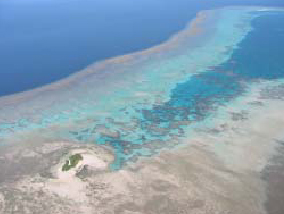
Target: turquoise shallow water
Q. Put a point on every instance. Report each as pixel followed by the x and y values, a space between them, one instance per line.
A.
pixel 258 57
pixel 142 106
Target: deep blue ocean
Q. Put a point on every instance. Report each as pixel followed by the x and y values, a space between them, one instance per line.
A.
pixel 47 40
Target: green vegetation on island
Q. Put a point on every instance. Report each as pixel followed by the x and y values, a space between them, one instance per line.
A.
pixel 72 162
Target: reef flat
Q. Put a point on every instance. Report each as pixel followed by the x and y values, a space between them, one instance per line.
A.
pixel 189 125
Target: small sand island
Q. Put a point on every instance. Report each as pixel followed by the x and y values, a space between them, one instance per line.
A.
pixel 79 161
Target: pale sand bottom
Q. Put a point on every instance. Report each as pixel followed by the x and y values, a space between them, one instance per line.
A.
pixel 274 175
pixel 218 171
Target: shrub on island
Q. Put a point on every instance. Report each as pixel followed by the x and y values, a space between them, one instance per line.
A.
pixel 72 162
